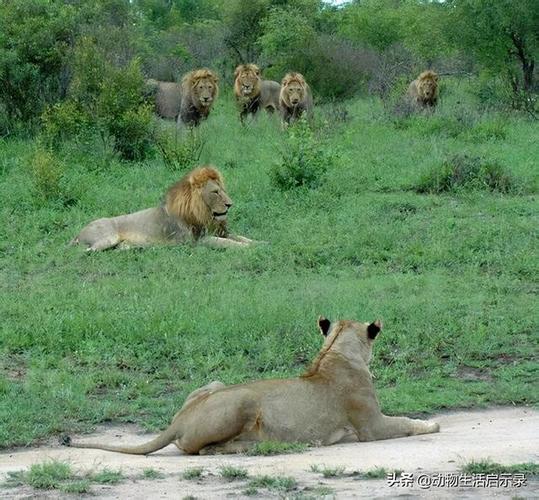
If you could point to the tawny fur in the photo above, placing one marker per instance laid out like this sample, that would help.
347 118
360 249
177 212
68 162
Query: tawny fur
295 98
252 93
333 401
194 206
423 91
199 90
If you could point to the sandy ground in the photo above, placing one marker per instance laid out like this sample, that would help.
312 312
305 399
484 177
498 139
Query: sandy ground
505 435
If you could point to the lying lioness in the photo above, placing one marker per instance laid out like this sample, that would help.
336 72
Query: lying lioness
332 400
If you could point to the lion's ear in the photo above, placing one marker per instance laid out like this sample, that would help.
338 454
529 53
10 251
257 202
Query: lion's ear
324 324
237 71
374 329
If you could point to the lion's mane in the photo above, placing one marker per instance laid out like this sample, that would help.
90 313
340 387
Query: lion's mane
183 199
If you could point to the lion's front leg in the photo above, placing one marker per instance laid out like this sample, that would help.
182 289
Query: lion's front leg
384 427
218 242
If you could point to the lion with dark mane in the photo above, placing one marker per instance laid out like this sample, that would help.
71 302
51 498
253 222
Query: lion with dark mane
195 206
333 401
295 98
423 91
199 89
252 93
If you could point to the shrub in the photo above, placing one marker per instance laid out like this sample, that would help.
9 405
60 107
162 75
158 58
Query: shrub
63 121
304 161
125 115
180 153
47 172
467 172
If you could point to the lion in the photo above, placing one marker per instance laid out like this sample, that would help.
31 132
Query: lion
423 91
295 98
333 400
194 206
167 96
199 89
252 93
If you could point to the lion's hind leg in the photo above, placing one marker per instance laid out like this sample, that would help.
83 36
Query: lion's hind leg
217 420
99 235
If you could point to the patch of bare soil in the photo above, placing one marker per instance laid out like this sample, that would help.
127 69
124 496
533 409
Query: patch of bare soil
504 435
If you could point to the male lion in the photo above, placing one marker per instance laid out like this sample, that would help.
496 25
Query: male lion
167 97
423 91
332 400
200 88
295 98
196 204
253 93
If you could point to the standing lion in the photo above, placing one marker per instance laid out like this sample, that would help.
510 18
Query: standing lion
199 89
193 207
295 98
167 96
423 91
252 93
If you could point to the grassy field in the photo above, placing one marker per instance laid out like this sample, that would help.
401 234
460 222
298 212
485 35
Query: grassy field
124 336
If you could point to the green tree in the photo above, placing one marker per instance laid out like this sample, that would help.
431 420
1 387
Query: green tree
503 35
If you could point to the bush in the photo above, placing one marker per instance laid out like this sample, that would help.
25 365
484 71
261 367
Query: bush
467 172
47 172
183 153
304 161
125 115
63 121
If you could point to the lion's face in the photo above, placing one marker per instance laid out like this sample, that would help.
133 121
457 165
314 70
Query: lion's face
204 91
247 80
295 92
216 199
427 88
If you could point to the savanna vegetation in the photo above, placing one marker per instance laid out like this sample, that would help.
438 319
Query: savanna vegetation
427 220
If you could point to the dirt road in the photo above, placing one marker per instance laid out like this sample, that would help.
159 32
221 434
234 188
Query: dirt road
505 435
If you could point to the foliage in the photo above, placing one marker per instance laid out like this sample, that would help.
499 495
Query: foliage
273 483
233 473
57 475
193 473
462 171
180 152
328 472
47 172
304 160
276 448
502 35
35 37
487 466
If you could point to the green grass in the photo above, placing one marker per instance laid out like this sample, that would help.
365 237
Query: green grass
193 473
379 473
108 476
276 483
233 473
151 473
487 466
276 448
57 475
329 472
124 336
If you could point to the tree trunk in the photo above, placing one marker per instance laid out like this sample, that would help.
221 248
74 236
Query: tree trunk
527 63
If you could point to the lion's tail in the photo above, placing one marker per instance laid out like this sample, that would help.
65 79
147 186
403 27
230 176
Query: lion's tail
164 439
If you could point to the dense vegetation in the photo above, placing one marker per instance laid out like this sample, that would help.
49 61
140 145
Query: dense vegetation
426 220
